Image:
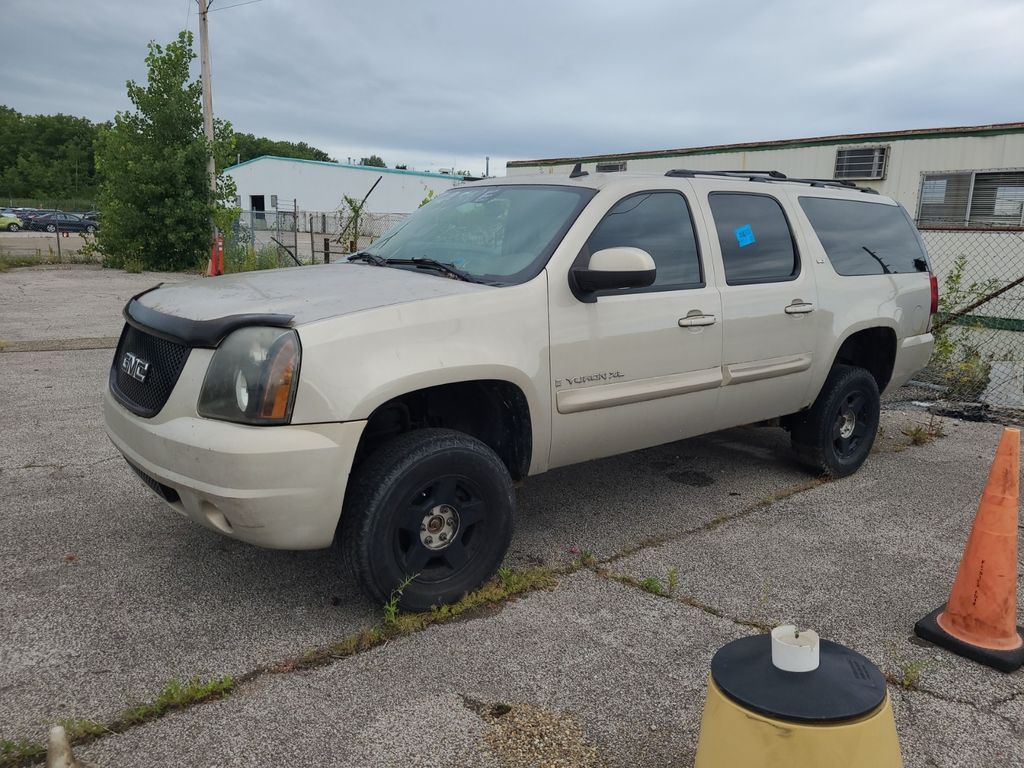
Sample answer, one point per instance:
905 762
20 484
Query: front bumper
277 487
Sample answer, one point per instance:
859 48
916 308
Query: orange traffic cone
979 621
216 264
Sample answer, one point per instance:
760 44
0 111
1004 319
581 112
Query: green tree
154 191
374 161
248 146
46 156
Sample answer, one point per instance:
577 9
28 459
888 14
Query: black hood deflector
207 334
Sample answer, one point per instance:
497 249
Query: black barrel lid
843 687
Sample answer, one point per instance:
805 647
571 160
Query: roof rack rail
687 173
771 176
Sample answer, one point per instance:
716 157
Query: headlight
252 377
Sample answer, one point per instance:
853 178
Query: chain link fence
290 236
979 331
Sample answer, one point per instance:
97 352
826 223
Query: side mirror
611 269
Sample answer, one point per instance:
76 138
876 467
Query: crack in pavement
59 345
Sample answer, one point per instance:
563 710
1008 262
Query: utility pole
204 57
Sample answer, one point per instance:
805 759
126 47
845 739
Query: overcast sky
446 82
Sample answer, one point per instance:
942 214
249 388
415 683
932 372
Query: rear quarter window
865 238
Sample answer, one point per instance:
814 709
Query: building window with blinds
976 199
861 163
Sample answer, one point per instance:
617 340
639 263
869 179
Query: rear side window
659 223
865 238
757 244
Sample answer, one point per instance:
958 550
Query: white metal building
266 182
971 177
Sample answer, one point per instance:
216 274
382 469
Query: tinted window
659 223
757 246
864 238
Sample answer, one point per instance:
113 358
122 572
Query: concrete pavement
108 594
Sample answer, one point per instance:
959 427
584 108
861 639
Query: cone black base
1005 661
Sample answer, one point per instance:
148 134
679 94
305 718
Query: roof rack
771 176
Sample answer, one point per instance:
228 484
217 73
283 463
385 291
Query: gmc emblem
135 367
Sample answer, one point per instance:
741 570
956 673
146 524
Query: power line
225 7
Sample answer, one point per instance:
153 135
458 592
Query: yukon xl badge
135 367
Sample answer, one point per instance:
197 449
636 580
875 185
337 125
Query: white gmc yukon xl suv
388 403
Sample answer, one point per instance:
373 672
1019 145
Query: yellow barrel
833 713
731 736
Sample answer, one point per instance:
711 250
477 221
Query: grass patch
82 730
11 261
508 584
652 584
922 434
174 695
14 753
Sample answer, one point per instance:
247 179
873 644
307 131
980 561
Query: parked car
10 223
510 327
64 222
30 213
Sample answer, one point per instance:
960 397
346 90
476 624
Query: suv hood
304 293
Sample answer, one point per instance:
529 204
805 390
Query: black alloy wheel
433 507
835 435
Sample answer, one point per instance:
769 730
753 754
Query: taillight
935 292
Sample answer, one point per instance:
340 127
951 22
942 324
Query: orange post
979 620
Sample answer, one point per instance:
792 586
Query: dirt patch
525 736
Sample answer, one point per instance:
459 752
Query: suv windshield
492 234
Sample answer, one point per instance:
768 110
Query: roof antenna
577 171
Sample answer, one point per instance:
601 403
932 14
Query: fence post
312 247
327 250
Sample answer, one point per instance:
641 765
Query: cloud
442 83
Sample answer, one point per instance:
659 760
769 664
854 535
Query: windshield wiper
449 269
369 258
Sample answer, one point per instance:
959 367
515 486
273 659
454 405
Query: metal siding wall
322 187
907 160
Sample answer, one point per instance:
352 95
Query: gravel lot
108 595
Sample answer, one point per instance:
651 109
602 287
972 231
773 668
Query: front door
636 367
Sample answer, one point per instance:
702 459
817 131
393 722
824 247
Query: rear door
769 306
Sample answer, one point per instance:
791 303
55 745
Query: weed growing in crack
672 580
653 585
922 434
20 752
391 606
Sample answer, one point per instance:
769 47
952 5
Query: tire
51 228
835 435
13 227
90 229
396 516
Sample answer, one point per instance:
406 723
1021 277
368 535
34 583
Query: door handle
799 308
695 321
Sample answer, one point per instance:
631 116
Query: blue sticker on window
745 236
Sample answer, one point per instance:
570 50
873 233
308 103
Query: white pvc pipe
794 651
